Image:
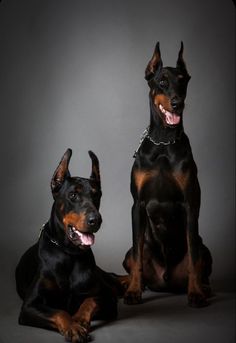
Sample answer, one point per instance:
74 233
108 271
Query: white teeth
171 118
76 231
162 109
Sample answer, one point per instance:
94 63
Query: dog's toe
133 298
197 300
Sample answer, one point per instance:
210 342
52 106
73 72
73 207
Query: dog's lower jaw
80 238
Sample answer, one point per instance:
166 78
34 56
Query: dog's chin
170 119
82 240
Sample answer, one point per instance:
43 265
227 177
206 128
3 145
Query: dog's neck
160 133
55 234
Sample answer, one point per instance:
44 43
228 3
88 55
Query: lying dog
167 253
57 278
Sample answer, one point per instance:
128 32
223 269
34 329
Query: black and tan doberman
167 252
61 286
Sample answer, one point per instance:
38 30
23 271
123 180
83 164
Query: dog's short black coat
167 253
61 286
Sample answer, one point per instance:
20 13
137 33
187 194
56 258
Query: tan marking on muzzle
163 100
76 220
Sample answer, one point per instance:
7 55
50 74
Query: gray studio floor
162 318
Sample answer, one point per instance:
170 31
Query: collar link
146 134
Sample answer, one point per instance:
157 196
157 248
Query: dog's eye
163 83
182 79
74 196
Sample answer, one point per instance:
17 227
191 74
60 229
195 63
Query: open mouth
171 118
80 238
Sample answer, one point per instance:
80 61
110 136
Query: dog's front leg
36 312
196 295
39 315
85 314
133 294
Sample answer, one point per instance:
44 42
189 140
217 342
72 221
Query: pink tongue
86 238
175 119
172 118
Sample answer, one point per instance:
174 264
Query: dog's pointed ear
154 64
61 173
180 62
95 174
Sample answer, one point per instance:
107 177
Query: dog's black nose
93 220
176 103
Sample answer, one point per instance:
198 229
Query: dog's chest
73 273
162 179
81 278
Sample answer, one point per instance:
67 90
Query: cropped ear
62 172
95 174
180 62
154 64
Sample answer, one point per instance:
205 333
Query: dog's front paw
207 291
133 297
77 333
197 300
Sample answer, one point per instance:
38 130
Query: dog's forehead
172 72
79 182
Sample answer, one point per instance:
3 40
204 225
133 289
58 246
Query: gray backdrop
72 75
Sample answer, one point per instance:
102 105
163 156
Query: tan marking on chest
182 179
142 177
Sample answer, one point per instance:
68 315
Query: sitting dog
167 252
57 278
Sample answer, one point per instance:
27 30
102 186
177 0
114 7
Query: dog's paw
197 300
207 291
77 333
133 298
124 281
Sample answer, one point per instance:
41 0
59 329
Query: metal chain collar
51 240
144 135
